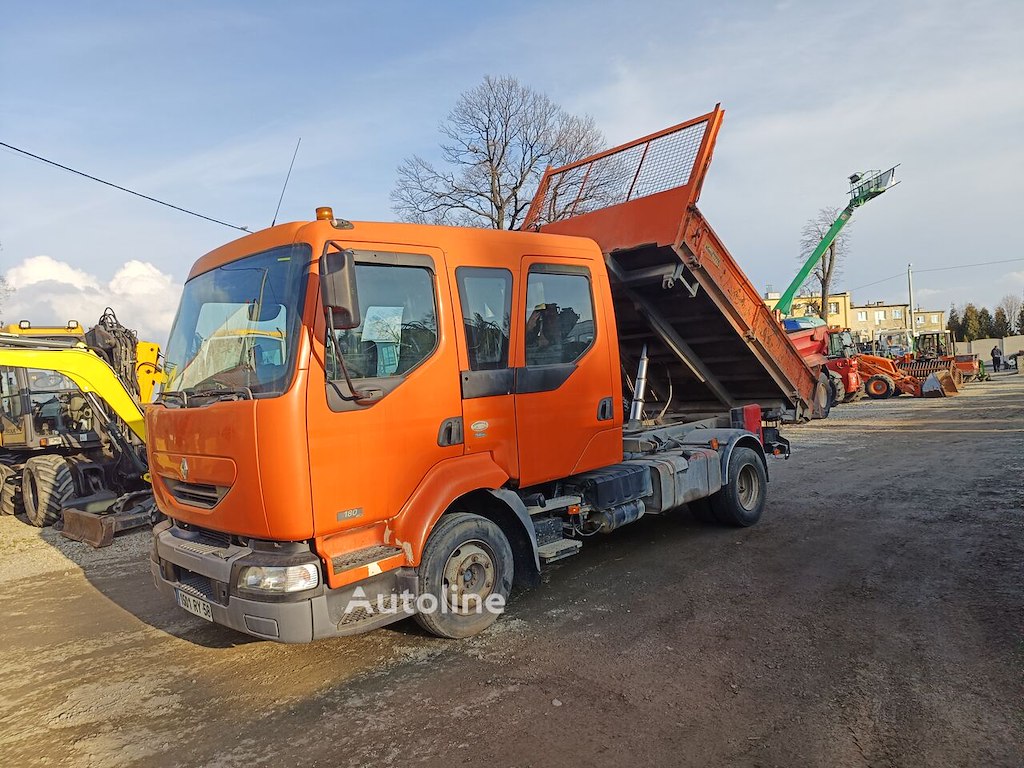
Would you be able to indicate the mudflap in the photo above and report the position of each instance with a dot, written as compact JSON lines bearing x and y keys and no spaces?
{"x":95,"y":520}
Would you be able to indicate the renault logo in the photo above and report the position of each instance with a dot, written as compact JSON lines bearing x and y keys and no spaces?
{"x":184,"y":469}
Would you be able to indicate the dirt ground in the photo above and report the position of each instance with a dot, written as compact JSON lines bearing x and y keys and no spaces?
{"x":874,"y":617}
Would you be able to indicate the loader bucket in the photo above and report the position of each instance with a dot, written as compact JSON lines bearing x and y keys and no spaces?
{"x":939,"y":384}
{"x":94,"y":529}
{"x":95,"y":520}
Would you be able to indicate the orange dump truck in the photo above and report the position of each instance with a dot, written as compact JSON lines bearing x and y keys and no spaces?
{"x":364,"y":421}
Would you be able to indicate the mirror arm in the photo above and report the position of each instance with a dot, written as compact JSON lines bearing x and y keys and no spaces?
{"x":356,"y":395}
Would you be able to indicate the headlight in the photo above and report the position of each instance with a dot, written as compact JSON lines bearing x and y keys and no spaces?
{"x":276,"y":578}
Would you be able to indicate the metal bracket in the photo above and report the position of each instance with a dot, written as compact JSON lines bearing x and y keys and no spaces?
{"x":669,"y":281}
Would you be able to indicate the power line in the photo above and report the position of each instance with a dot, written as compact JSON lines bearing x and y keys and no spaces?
{"x":938,"y":269}
{"x":118,"y":186}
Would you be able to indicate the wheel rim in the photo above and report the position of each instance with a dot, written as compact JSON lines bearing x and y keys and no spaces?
{"x":878,"y":387}
{"x":469,"y":576}
{"x":748,"y":487}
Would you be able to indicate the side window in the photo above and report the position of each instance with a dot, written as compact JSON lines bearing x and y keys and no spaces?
{"x":486,"y":298}
{"x":559,"y":317}
{"x":398,"y":328}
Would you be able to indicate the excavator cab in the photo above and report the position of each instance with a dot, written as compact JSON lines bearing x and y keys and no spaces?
{"x":44,"y":409}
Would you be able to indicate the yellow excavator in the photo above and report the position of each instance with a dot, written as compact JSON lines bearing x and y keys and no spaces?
{"x":72,"y":436}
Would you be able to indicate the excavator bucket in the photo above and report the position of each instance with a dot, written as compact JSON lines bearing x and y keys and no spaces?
{"x":939,"y":384}
{"x":95,"y":520}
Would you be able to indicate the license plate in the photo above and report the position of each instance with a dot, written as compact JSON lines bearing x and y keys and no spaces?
{"x":194,"y":605}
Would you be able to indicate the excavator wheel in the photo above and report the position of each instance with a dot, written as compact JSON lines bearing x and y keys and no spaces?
{"x":879,"y":387}
{"x":46,"y":484}
{"x":10,"y":492}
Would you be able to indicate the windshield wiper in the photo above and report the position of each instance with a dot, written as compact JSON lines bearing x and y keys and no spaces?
{"x":223,"y":393}
{"x":219,"y":393}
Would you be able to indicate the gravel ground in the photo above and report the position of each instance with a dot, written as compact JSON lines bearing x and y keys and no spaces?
{"x":872,"y":618}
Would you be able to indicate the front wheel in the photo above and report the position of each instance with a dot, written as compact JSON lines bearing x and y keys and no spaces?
{"x":879,"y":387}
{"x":741,"y":501}
{"x":46,"y":484}
{"x":467,"y":569}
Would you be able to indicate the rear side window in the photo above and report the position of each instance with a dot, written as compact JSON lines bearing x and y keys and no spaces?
{"x":559,"y":316}
{"x":486,"y":298}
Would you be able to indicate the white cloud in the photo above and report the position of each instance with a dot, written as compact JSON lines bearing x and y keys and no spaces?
{"x":42,"y":269}
{"x":51,"y":292}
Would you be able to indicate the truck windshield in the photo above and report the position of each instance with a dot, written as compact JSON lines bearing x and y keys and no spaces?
{"x":238,"y":325}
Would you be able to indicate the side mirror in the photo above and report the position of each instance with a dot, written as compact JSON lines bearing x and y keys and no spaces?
{"x":338,"y":288}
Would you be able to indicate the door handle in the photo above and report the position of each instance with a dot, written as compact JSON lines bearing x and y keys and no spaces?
{"x":605,"y":410}
{"x":450,"y":432}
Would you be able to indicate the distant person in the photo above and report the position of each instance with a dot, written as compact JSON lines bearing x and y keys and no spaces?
{"x":997,"y":358}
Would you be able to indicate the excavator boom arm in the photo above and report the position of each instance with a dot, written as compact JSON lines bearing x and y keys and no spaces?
{"x":88,"y":371}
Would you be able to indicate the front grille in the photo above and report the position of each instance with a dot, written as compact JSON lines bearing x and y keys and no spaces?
{"x":196,"y":494}
{"x":195,"y":584}
{"x":217,"y":539}
{"x":198,"y":585}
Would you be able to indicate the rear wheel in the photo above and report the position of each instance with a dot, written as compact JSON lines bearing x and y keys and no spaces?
{"x":879,"y":387}
{"x":822,"y":397}
{"x":741,"y":501}
{"x":838,"y":388}
{"x":467,"y":560}
{"x":46,"y":484}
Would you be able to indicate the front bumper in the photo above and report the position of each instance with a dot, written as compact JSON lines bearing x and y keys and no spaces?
{"x":203,"y":566}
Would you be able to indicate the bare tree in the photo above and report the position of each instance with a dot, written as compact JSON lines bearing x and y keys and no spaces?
{"x":496,"y":143}
{"x":829,"y":267}
{"x":1011,"y":305}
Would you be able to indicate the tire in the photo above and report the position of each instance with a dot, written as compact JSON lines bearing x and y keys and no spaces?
{"x":879,"y":387}
{"x":10,"y":490}
{"x":46,"y":484}
{"x":474,"y":548}
{"x":838,"y":388}
{"x":741,"y":502}
{"x":822,"y":397}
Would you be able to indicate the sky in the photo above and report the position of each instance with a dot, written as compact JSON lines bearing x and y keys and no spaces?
{"x":200,"y":104}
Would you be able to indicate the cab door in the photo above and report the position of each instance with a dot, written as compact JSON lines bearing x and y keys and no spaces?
{"x":369,"y":453}
{"x":485,"y":296}
{"x":12,"y":421}
{"x":567,"y":420}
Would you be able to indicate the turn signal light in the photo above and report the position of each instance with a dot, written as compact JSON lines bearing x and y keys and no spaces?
{"x":324,"y":214}
{"x":714,"y":443}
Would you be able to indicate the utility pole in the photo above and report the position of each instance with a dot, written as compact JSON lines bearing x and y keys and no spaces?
{"x":910,"y":290}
